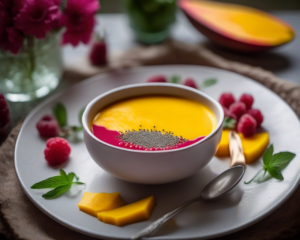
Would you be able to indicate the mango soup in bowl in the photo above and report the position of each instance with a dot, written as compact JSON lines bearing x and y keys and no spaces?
{"x":152,"y":133}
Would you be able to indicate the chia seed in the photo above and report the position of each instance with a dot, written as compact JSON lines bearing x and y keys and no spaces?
{"x":151,"y":139}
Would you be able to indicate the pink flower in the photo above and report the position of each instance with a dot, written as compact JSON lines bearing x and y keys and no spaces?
{"x":79,"y":20}
{"x":37,"y":17}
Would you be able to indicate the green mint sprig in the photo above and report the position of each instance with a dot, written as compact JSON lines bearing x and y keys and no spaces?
{"x":229,"y":123}
{"x":60,"y":113}
{"x":60,"y":184}
{"x":273,"y":164}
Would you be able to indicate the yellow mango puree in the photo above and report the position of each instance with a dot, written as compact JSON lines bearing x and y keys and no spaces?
{"x":244,"y":23}
{"x":183,"y":117}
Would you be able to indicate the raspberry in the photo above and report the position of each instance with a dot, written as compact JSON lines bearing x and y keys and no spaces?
{"x":247,"y":125}
{"x":256,"y":114}
{"x":247,"y":99}
{"x":227,"y":113}
{"x":98,"y":54}
{"x":57,"y":151}
{"x":159,"y":78}
{"x":190,"y":83}
{"x":47,"y":126}
{"x":226,"y":99}
{"x":238,"y":108}
{"x":4,"y":115}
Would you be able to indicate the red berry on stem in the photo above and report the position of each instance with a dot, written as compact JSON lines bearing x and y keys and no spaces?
{"x":159,"y":78}
{"x":256,"y":114}
{"x":190,"y":83}
{"x":4,"y":115}
{"x":226,"y":99}
{"x":98,"y":54}
{"x":247,"y":125}
{"x":57,"y":151}
{"x":48,"y":126}
{"x":238,"y":109}
{"x":247,"y":99}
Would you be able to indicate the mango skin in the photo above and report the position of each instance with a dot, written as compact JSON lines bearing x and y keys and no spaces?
{"x":132,"y":213}
{"x":253,"y":146}
{"x":93,"y":203}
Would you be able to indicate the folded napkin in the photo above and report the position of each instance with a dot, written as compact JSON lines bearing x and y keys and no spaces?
{"x":21,"y":219}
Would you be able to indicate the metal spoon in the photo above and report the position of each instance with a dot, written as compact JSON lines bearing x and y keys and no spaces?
{"x":218,"y":187}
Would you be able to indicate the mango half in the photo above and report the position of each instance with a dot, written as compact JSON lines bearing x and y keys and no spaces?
{"x":237,"y":27}
{"x":131,"y":213}
{"x":93,"y":203}
{"x":253,"y":146}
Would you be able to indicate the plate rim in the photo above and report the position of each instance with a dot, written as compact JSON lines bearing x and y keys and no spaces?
{"x":98,"y":77}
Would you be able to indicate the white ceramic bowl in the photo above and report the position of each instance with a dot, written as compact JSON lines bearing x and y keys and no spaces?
{"x":158,"y":166}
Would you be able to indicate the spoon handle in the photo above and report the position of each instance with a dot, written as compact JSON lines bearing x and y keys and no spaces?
{"x":153,"y":227}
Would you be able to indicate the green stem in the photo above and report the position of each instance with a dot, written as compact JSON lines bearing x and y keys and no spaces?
{"x":254,"y":177}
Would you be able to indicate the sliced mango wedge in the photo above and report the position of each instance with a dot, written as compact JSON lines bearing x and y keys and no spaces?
{"x":132,"y":213}
{"x":253,"y":146}
{"x":93,"y":203}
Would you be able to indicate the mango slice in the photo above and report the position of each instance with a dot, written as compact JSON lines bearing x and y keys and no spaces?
{"x":253,"y":146}
{"x":235,"y":26}
{"x":132,"y":213}
{"x":93,"y":203}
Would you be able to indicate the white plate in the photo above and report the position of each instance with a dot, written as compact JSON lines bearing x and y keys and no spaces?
{"x":246,"y":205}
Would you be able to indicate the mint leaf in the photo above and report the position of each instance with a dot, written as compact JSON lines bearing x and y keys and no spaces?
{"x":267,"y":157}
{"x":51,"y":182}
{"x":62,"y":173}
{"x":56,"y":192}
{"x":175,"y":79}
{"x":61,"y":184}
{"x":76,"y":128}
{"x":78,"y":183}
{"x":229,"y":123}
{"x":209,"y":82}
{"x":273,"y":164}
{"x":71,"y":176}
{"x":275,"y":173}
{"x":60,"y":114}
{"x":282,"y":159}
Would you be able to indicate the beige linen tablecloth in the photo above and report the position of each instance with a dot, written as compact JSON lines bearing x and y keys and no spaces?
{"x":21,"y":219}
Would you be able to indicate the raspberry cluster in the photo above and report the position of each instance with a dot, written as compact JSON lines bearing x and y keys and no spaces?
{"x":248,"y":119}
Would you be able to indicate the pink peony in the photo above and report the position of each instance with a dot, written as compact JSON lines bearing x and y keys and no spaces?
{"x":12,"y":40}
{"x":79,"y":20}
{"x":37,"y":17}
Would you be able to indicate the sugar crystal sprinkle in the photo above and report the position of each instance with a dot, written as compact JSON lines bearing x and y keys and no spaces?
{"x":151,"y":139}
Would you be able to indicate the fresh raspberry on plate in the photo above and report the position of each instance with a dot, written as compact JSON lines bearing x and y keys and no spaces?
{"x":159,"y":78}
{"x":247,"y":99}
{"x":48,"y":126}
{"x":98,"y":54}
{"x":247,"y":125}
{"x":190,"y":83}
{"x":256,"y":114}
{"x":226,"y":100}
{"x":238,"y":108}
{"x":57,"y":151}
{"x":4,"y":115}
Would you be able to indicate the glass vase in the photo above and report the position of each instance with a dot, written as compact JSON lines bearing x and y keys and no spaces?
{"x":151,"y":19}
{"x":34,"y":72}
